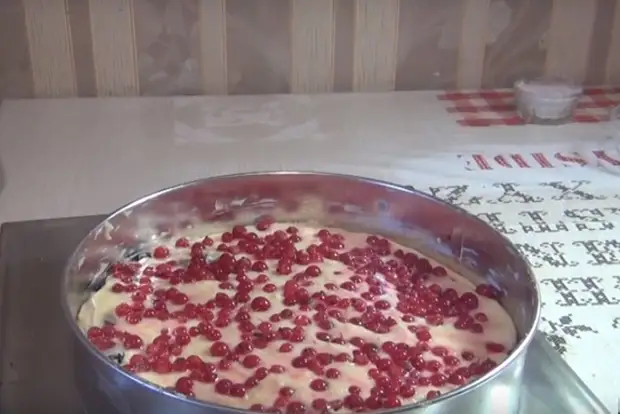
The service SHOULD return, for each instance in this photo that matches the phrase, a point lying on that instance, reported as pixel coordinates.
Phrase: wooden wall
(65, 48)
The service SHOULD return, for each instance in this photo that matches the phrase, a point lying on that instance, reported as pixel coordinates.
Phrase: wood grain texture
(600, 42)
(375, 45)
(516, 41)
(568, 42)
(212, 21)
(168, 47)
(15, 67)
(312, 46)
(51, 52)
(344, 11)
(81, 39)
(474, 26)
(428, 40)
(612, 72)
(258, 46)
(186, 47)
(114, 47)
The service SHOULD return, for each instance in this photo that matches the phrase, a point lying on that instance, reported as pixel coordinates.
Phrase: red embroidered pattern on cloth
(497, 106)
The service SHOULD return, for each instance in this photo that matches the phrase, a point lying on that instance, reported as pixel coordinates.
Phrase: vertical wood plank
(82, 41)
(258, 46)
(114, 47)
(212, 21)
(600, 41)
(344, 11)
(15, 67)
(516, 49)
(568, 42)
(474, 25)
(375, 45)
(428, 29)
(167, 40)
(312, 46)
(51, 52)
(612, 70)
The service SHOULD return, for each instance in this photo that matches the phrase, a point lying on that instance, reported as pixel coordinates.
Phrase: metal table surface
(36, 349)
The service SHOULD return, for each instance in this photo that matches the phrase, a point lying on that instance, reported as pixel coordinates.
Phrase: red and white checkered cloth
(497, 106)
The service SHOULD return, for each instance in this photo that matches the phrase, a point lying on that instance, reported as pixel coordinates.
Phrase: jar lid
(551, 88)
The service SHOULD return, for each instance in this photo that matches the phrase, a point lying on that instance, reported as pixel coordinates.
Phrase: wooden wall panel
(51, 52)
(569, 39)
(375, 45)
(114, 47)
(63, 48)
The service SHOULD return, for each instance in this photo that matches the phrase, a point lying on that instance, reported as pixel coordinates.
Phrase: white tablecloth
(75, 157)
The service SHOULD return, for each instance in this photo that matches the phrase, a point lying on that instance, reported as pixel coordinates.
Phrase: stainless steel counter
(36, 351)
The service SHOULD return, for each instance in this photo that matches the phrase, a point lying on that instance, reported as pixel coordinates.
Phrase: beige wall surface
(66, 48)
